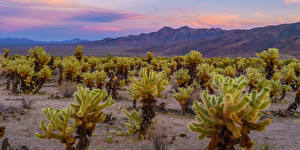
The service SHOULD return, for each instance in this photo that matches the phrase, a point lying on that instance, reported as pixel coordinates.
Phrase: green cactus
(270, 59)
(182, 96)
(42, 76)
(150, 86)
(135, 121)
(100, 78)
(192, 60)
(182, 77)
(86, 111)
(59, 126)
(230, 71)
(254, 77)
(149, 57)
(79, 53)
(205, 73)
(228, 119)
(89, 79)
(297, 68)
(6, 52)
(41, 58)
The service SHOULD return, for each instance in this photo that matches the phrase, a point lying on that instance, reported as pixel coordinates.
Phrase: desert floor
(282, 134)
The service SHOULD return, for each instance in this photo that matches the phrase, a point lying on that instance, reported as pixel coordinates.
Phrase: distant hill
(169, 42)
(26, 41)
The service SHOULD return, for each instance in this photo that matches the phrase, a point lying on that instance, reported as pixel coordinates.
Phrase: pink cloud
(37, 13)
(292, 1)
(230, 21)
(51, 3)
(14, 24)
(208, 20)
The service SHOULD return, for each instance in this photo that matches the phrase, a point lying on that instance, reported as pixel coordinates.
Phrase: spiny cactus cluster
(135, 121)
(150, 86)
(182, 77)
(270, 59)
(228, 119)
(27, 74)
(182, 96)
(87, 111)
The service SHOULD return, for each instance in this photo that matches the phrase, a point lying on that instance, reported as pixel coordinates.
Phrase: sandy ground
(282, 134)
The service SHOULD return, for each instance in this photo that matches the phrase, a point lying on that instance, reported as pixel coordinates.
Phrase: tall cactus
(150, 86)
(135, 120)
(79, 53)
(205, 73)
(270, 59)
(182, 77)
(182, 96)
(87, 111)
(59, 126)
(192, 60)
(228, 119)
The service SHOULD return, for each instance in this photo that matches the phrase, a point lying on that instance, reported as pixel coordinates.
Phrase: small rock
(182, 135)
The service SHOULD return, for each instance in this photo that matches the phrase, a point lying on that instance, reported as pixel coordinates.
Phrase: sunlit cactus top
(234, 110)
(88, 102)
(150, 85)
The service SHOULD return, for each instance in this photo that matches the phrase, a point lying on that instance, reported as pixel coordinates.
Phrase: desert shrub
(67, 89)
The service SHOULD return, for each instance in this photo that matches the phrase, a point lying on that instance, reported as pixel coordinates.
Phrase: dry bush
(67, 89)
(159, 139)
(26, 103)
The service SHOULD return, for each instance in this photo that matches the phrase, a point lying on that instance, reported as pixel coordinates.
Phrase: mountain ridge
(170, 42)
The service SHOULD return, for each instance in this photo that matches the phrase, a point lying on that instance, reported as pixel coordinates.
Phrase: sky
(98, 19)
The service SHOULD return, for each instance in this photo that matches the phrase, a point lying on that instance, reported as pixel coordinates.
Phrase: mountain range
(26, 41)
(170, 42)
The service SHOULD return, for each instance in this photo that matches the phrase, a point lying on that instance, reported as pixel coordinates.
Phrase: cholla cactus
(122, 66)
(230, 71)
(26, 73)
(78, 53)
(6, 52)
(270, 59)
(205, 73)
(182, 77)
(149, 57)
(288, 73)
(89, 79)
(135, 120)
(240, 66)
(59, 126)
(150, 86)
(182, 96)
(229, 118)
(297, 68)
(42, 76)
(41, 58)
(71, 68)
(85, 66)
(192, 60)
(87, 112)
(113, 85)
(100, 78)
(276, 88)
(254, 77)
